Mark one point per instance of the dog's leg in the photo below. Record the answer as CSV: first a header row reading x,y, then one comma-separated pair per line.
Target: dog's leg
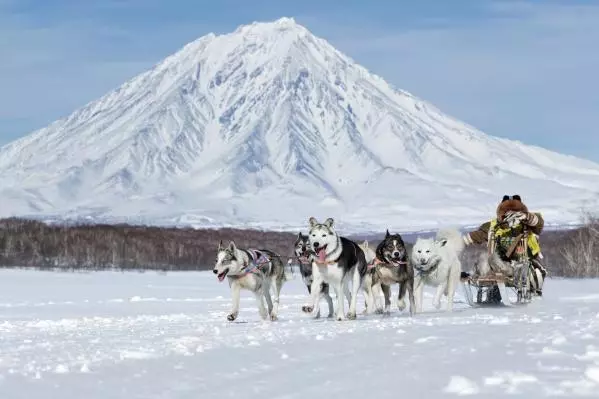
x,y
377,291
451,287
438,294
306,308
317,281
267,296
387,293
401,303
419,293
410,284
367,282
260,295
327,297
235,293
369,297
274,312
347,293
338,286
356,282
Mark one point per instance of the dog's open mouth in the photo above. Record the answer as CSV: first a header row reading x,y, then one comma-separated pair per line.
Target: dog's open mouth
x,y
321,253
221,276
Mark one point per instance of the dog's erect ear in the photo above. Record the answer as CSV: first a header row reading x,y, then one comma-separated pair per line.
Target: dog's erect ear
x,y
220,245
329,223
505,198
299,235
442,242
365,244
313,222
232,247
387,235
517,197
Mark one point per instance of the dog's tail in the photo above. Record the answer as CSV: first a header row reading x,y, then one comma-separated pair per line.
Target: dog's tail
x,y
369,253
452,238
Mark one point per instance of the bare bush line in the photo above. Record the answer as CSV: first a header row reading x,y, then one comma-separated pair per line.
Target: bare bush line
x,y
89,247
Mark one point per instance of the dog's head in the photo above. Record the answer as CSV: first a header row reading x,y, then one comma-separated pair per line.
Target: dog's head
x,y
229,261
424,253
392,249
322,237
302,248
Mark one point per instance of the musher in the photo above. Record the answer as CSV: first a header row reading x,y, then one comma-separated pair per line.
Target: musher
x,y
502,234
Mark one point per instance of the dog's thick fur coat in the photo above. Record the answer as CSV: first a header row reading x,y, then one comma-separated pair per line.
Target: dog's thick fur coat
x,y
392,267
336,261
243,271
305,255
437,263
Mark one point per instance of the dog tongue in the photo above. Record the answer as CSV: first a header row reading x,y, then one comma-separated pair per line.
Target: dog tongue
x,y
322,254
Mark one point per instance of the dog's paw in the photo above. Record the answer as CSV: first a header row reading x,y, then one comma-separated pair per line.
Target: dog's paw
x,y
379,311
340,318
231,317
351,316
273,317
401,305
307,309
437,305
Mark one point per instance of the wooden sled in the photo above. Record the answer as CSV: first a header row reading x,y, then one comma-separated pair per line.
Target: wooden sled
x,y
497,289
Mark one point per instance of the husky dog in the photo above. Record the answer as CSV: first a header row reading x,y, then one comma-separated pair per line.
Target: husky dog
x,y
256,270
391,266
437,263
336,260
370,256
304,255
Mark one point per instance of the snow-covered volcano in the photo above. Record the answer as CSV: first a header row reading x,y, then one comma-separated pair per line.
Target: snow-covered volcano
x,y
267,126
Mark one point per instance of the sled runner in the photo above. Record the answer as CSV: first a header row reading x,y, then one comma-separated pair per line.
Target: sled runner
x,y
495,288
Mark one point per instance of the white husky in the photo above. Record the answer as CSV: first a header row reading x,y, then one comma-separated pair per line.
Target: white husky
x,y
437,263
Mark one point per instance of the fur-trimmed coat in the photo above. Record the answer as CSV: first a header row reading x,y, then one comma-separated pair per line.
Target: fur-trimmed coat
x,y
534,220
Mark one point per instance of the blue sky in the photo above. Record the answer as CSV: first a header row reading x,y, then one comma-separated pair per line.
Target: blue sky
x,y
525,70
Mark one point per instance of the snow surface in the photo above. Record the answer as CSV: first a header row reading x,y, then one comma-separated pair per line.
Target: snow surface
x,y
267,126
147,335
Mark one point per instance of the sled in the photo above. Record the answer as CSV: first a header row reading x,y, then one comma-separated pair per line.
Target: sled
x,y
498,289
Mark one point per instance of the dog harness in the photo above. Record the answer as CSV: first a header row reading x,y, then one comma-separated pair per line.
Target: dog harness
x,y
257,259
376,261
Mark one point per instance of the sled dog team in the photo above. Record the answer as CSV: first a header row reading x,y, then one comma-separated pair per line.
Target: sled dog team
x,y
327,259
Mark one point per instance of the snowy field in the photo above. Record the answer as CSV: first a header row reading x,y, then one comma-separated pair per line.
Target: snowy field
x,y
147,335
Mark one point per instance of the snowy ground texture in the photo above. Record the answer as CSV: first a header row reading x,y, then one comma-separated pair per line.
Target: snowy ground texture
x,y
146,335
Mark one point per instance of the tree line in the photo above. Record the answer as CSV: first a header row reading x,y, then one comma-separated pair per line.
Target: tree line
x,y
35,244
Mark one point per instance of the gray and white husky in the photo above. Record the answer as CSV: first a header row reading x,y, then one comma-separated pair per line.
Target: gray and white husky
x,y
256,270
336,260
437,263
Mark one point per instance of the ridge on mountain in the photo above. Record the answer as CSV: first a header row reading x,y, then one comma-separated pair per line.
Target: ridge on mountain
x,y
266,126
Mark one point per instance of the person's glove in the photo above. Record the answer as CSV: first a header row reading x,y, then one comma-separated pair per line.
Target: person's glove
x,y
514,218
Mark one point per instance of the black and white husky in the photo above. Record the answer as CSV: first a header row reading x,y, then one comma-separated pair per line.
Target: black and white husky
x,y
336,260
256,270
304,255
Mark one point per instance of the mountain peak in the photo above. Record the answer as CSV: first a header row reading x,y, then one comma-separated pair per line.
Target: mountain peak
x,y
267,126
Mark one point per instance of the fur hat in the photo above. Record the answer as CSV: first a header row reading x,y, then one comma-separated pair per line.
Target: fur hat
x,y
513,203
